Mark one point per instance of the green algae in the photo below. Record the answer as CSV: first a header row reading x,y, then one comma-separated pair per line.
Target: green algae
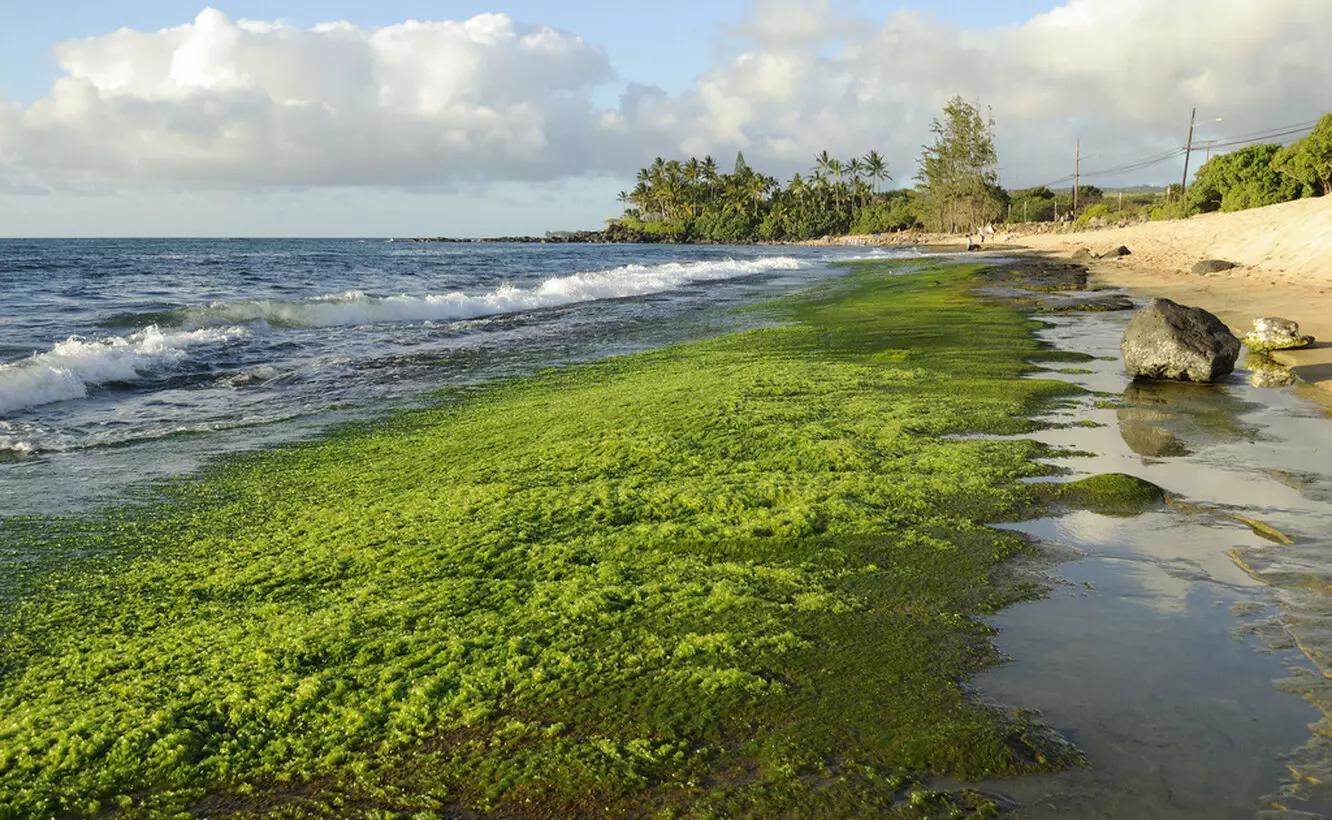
x,y
1110,494
731,578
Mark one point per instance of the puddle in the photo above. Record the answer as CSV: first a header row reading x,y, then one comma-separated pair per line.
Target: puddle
x,y
1184,651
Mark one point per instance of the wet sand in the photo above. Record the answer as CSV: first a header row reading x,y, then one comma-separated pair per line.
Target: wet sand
x,y
1176,648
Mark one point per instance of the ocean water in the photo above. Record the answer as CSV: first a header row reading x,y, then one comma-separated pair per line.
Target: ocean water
x,y
126,361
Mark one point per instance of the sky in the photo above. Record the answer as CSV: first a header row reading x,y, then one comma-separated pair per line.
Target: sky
x,y
417,118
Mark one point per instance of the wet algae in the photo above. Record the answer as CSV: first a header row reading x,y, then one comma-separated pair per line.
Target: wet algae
x,y
737,577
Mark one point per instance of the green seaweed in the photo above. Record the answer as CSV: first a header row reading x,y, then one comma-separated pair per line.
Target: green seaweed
x,y
1111,494
737,577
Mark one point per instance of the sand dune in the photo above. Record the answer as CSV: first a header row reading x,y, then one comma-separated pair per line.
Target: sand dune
x,y
1291,242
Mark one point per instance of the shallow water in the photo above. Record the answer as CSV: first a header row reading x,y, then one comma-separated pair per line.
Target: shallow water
x,y
1159,654
125,361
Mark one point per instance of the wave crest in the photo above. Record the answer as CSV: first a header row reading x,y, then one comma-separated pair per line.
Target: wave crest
x,y
354,307
69,368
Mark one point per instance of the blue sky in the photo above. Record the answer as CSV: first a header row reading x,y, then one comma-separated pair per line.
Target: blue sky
x,y
225,129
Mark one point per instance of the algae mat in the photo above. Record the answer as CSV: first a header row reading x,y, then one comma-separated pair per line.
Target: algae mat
x,y
731,577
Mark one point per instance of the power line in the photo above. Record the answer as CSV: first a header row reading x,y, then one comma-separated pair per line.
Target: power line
x,y
1282,133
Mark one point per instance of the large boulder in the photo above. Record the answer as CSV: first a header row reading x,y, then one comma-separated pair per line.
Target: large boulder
x,y
1273,333
1212,266
1166,340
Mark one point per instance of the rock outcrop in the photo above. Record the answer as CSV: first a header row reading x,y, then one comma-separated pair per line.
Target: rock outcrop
x,y
1166,340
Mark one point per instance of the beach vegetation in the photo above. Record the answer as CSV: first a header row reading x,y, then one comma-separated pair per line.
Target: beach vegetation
x,y
958,174
1246,178
690,201
1309,161
735,577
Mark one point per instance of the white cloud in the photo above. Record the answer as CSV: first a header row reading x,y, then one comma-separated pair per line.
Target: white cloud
x,y
251,104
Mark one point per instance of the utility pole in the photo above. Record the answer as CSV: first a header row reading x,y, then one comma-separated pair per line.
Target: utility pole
x,y
1209,150
1188,147
1077,171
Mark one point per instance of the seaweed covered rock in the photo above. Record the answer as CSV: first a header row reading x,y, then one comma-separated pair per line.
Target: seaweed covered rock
x,y
1166,340
1274,333
1111,494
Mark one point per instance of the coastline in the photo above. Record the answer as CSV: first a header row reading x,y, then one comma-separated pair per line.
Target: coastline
x,y
704,576
1283,257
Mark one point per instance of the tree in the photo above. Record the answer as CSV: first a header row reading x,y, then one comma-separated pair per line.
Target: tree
x,y
1309,161
741,167
877,169
959,173
1247,178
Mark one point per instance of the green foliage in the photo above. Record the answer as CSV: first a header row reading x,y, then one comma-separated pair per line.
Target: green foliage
x,y
1172,210
895,212
1098,211
1309,161
1032,208
1246,178
959,173
691,201
729,578
1088,195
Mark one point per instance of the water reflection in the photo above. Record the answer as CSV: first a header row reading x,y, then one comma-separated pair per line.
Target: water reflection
x,y
1158,660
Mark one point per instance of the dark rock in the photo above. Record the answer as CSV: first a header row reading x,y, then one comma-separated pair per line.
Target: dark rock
x,y
1213,266
1116,253
1166,340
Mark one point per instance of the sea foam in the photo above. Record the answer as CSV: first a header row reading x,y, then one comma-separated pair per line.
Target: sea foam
x,y
354,307
68,369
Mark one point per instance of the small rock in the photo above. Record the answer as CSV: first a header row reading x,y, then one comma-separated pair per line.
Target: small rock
x,y
1116,253
1166,340
1212,266
1083,255
1275,333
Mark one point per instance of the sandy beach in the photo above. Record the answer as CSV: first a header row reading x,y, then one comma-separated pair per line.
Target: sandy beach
x,y
1284,258
1283,255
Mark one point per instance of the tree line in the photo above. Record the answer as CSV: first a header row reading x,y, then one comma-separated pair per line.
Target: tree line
x,y
693,200
957,190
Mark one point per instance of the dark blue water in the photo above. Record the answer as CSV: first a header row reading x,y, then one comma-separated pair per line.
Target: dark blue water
x,y
127,360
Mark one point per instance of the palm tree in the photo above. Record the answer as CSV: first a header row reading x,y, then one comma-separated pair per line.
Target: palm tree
x,y
822,162
835,166
854,169
708,170
877,169
692,173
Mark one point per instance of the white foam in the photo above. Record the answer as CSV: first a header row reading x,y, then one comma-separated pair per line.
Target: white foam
x,y
68,369
356,308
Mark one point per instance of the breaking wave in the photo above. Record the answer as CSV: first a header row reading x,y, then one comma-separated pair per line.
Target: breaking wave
x,y
68,369
354,307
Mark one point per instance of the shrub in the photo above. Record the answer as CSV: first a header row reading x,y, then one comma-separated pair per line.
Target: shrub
x,y
1098,211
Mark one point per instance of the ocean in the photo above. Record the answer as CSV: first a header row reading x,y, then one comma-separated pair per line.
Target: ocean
x,y
127,361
